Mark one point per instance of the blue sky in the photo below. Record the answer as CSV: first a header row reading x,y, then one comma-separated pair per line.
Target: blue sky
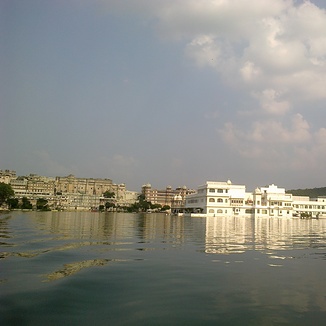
x,y
165,92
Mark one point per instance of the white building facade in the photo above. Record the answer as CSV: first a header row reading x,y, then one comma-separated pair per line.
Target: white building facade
x,y
226,199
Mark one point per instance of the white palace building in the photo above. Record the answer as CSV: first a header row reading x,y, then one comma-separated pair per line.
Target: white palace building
x,y
226,199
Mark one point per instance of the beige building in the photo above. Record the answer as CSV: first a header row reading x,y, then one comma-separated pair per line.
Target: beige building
x,y
89,186
39,185
7,175
68,192
19,186
167,196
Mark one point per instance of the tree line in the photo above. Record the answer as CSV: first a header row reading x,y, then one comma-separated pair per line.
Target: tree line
x,y
311,192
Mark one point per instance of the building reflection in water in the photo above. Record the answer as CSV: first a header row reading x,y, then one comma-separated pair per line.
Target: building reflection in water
x,y
87,225
290,271
158,226
238,234
112,226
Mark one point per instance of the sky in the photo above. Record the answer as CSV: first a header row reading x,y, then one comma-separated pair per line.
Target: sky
x,y
166,92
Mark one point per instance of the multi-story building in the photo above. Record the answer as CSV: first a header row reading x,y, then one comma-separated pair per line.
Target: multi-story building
x,y
7,175
167,196
33,186
315,207
87,193
226,199
40,186
19,186
89,186
221,198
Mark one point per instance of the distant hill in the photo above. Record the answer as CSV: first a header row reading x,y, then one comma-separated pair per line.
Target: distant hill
x,y
312,193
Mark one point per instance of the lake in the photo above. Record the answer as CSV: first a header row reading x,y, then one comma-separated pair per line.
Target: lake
x,y
85,268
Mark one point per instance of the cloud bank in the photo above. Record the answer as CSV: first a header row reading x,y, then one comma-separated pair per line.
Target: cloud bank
x,y
275,51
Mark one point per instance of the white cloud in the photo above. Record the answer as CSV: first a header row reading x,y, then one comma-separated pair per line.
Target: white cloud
x,y
204,50
249,71
270,101
278,44
273,50
272,144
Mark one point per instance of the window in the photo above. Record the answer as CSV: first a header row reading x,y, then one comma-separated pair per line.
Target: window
x,y
219,200
211,211
220,190
211,200
211,190
249,210
219,211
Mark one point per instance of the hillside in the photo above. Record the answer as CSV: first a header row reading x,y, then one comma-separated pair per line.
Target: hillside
x,y
312,193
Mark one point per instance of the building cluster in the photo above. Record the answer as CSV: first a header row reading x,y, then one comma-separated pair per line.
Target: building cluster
x,y
226,199
210,199
72,193
68,193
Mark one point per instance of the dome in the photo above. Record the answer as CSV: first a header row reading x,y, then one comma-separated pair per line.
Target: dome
x,y
257,191
177,197
148,185
229,182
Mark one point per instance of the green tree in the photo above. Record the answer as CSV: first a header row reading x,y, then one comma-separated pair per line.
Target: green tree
x,y
108,205
42,204
5,192
166,208
156,207
109,194
144,205
26,204
13,203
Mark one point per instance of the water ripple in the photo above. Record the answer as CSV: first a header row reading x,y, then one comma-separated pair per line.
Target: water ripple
x,y
73,268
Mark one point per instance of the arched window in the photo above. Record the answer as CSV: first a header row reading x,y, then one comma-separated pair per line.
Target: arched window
x,y
220,211
220,200
211,200
211,211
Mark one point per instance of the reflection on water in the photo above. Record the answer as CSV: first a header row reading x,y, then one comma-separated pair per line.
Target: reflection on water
x,y
4,231
111,225
155,269
238,234
70,269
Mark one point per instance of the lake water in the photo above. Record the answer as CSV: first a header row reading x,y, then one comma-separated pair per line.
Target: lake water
x,y
72,268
